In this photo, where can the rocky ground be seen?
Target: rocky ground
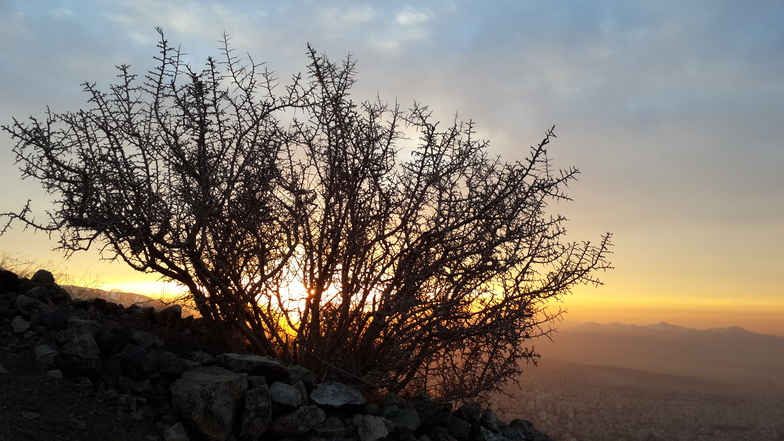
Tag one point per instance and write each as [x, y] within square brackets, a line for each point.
[89, 370]
[39, 404]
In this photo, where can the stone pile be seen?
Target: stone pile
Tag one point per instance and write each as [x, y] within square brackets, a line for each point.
[217, 398]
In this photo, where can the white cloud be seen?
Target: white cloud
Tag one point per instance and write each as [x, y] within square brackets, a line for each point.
[412, 17]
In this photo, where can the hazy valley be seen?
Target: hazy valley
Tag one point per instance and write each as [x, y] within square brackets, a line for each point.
[656, 382]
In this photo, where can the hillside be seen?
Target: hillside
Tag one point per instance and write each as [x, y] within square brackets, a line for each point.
[731, 355]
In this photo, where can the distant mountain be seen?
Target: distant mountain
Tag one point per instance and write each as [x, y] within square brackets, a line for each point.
[122, 298]
[661, 327]
[732, 354]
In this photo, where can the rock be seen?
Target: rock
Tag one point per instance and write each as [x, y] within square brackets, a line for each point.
[5, 307]
[49, 293]
[527, 429]
[332, 427]
[9, 282]
[169, 316]
[134, 387]
[111, 338]
[80, 356]
[209, 399]
[513, 434]
[143, 337]
[110, 395]
[43, 277]
[175, 432]
[253, 365]
[490, 421]
[300, 421]
[28, 306]
[55, 373]
[458, 427]
[172, 364]
[58, 319]
[390, 399]
[439, 433]
[470, 412]
[303, 391]
[3, 370]
[78, 325]
[296, 373]
[485, 434]
[257, 416]
[45, 355]
[203, 358]
[285, 394]
[141, 361]
[431, 412]
[20, 325]
[336, 394]
[402, 418]
[372, 428]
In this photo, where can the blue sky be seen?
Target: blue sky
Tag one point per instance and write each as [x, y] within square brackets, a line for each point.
[673, 111]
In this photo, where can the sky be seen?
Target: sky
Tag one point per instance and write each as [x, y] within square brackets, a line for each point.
[672, 110]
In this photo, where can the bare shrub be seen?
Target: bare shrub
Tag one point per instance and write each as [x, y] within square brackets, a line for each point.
[422, 267]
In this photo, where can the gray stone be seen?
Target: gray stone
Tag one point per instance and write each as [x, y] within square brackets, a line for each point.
[332, 427]
[336, 394]
[111, 338]
[77, 325]
[285, 394]
[135, 387]
[303, 391]
[141, 361]
[57, 319]
[470, 412]
[175, 433]
[431, 412]
[257, 416]
[485, 434]
[55, 373]
[45, 355]
[402, 418]
[295, 373]
[203, 358]
[513, 434]
[490, 421]
[20, 325]
[300, 421]
[209, 399]
[372, 428]
[49, 293]
[28, 306]
[43, 277]
[3, 370]
[80, 356]
[527, 429]
[110, 395]
[390, 399]
[144, 337]
[169, 316]
[172, 364]
[457, 427]
[439, 433]
[253, 365]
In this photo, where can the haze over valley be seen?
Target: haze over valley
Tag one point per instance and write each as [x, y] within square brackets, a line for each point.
[655, 382]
